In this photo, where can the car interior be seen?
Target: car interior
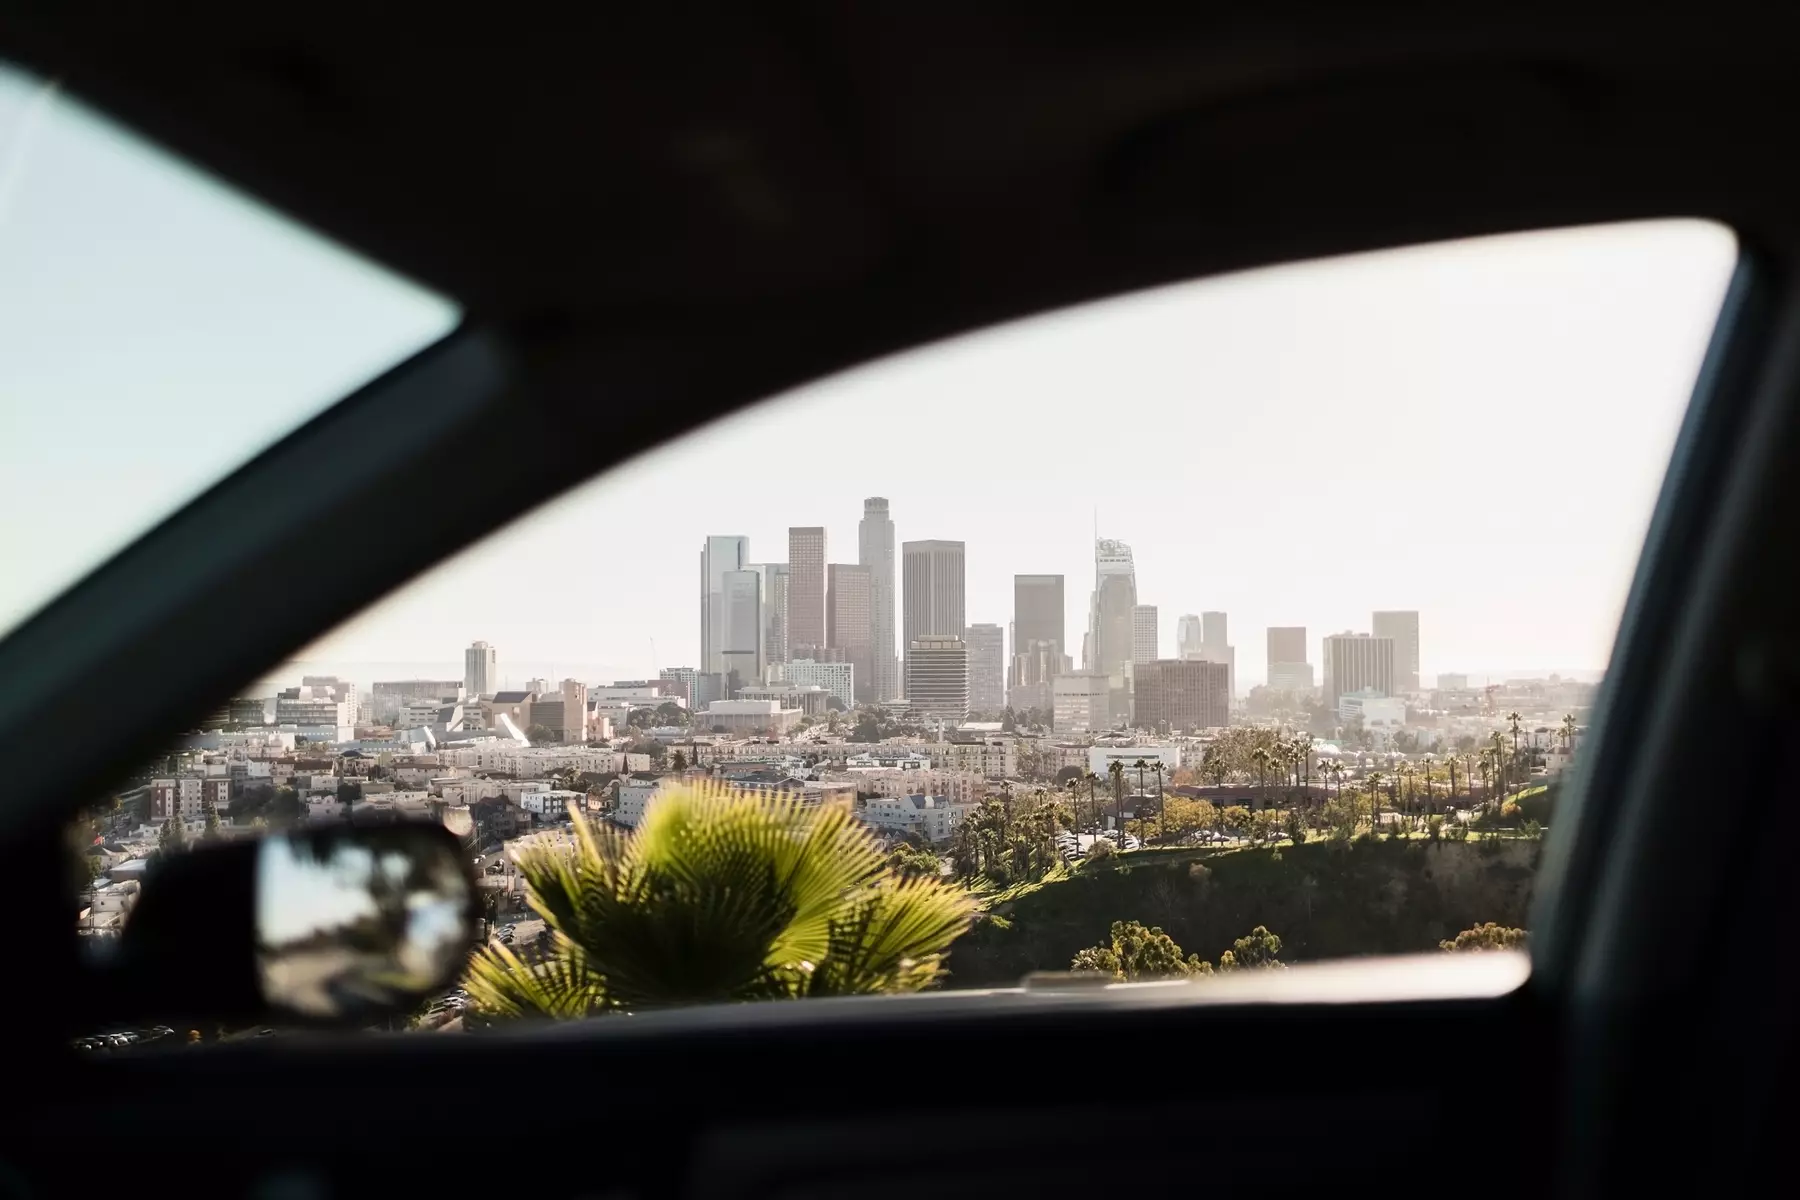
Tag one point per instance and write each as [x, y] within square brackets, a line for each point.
[653, 218]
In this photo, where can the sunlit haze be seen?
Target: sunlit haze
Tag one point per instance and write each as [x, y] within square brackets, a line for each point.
[1474, 430]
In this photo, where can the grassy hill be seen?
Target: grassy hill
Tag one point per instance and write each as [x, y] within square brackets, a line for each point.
[1325, 899]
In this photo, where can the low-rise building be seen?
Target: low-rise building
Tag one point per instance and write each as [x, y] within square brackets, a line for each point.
[934, 818]
[748, 716]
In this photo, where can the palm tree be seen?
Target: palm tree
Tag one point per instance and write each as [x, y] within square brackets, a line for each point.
[1501, 768]
[1374, 782]
[1513, 720]
[1262, 760]
[1161, 801]
[1568, 732]
[1142, 766]
[720, 895]
[1116, 770]
[1093, 782]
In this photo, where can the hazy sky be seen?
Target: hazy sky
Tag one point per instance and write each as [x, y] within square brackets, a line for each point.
[1475, 430]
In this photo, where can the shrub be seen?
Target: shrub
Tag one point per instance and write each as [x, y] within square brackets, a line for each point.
[1483, 938]
[1138, 953]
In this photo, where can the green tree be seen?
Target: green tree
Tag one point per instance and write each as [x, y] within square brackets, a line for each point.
[1485, 937]
[212, 822]
[171, 838]
[720, 896]
[678, 762]
[1256, 951]
[538, 734]
[909, 861]
[1135, 953]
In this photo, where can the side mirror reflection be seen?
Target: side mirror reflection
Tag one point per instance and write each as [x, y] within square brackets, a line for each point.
[355, 923]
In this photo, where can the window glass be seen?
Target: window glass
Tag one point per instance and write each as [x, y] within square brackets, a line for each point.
[1236, 624]
[157, 329]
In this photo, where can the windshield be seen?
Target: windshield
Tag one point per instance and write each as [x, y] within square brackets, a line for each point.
[1238, 624]
[157, 329]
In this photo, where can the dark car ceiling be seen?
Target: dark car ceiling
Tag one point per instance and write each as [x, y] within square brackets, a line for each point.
[883, 174]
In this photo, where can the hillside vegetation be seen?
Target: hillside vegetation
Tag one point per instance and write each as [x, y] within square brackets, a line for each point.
[1326, 899]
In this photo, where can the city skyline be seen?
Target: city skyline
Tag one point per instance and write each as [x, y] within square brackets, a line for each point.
[1377, 367]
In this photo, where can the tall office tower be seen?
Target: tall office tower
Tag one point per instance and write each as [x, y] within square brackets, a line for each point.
[938, 677]
[1287, 644]
[806, 591]
[1109, 612]
[1288, 668]
[1403, 627]
[775, 607]
[741, 627]
[1190, 638]
[718, 555]
[850, 622]
[1215, 646]
[1037, 630]
[931, 595]
[481, 670]
[875, 550]
[1356, 662]
[1035, 666]
[1175, 695]
[987, 668]
[1143, 633]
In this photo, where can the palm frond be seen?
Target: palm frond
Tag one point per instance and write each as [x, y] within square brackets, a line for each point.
[560, 985]
[722, 895]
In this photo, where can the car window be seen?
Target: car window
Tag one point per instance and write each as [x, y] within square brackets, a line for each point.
[157, 329]
[1236, 624]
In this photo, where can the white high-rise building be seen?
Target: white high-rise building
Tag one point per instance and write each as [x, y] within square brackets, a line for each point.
[1110, 608]
[719, 555]
[1403, 628]
[938, 678]
[875, 550]
[1081, 702]
[987, 668]
[1190, 637]
[481, 670]
[1143, 633]
[838, 678]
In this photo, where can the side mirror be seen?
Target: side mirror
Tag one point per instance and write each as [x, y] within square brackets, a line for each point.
[335, 926]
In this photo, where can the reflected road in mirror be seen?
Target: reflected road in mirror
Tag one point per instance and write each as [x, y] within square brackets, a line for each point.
[359, 923]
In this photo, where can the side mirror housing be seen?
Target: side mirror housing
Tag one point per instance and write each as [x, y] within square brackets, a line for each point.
[334, 927]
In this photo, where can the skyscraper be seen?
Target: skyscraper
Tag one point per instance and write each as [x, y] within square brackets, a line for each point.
[1109, 612]
[481, 670]
[1038, 631]
[1356, 662]
[938, 677]
[806, 591]
[875, 550]
[987, 668]
[1215, 646]
[1212, 629]
[932, 601]
[1287, 644]
[1403, 627]
[849, 623]
[1288, 668]
[775, 607]
[1143, 633]
[719, 554]
[1190, 637]
[741, 627]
